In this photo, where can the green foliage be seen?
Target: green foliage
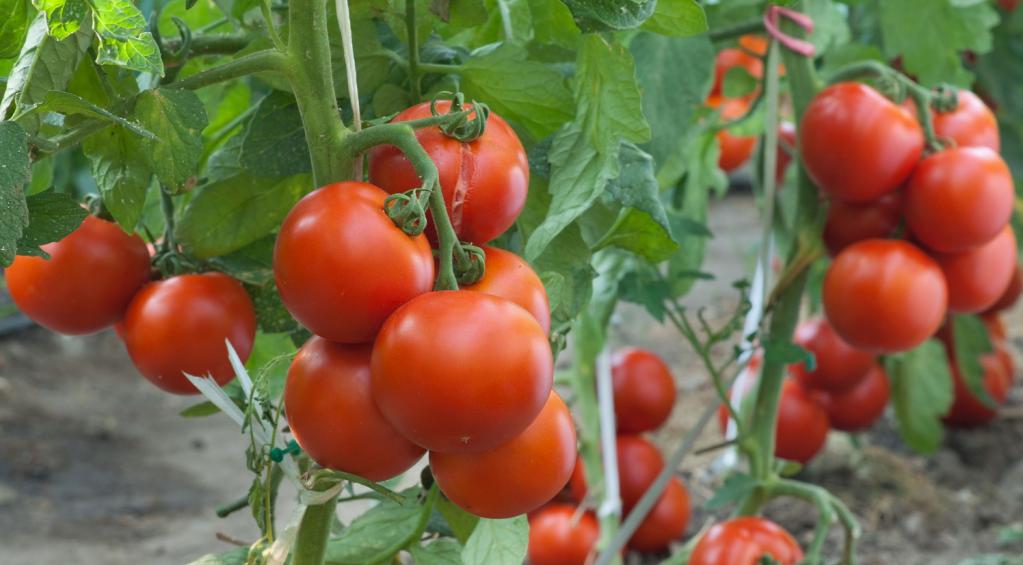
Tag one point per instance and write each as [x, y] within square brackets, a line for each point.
[461, 522]
[921, 394]
[497, 542]
[52, 216]
[124, 39]
[13, 177]
[601, 15]
[442, 551]
[377, 534]
[735, 487]
[14, 19]
[971, 341]
[64, 17]
[177, 117]
[274, 144]
[121, 171]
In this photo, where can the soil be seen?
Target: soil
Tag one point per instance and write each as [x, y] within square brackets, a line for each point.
[97, 467]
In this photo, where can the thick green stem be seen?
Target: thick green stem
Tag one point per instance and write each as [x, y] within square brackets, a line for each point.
[258, 62]
[314, 529]
[825, 513]
[413, 49]
[211, 44]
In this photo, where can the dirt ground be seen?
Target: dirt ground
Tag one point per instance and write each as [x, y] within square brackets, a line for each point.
[96, 466]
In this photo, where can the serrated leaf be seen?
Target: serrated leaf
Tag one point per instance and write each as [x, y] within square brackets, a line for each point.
[124, 37]
[497, 542]
[553, 23]
[14, 174]
[647, 288]
[274, 143]
[461, 522]
[604, 15]
[177, 117]
[921, 394]
[678, 18]
[51, 217]
[121, 172]
[638, 232]
[734, 489]
[971, 341]
[374, 535]
[443, 551]
[14, 20]
[70, 104]
[64, 17]
[636, 186]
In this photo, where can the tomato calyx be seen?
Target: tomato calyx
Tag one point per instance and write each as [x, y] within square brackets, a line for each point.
[466, 124]
[408, 209]
[470, 265]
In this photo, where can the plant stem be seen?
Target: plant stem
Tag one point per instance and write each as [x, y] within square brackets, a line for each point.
[314, 529]
[232, 507]
[752, 26]
[413, 50]
[258, 62]
[167, 206]
[438, 68]
[212, 44]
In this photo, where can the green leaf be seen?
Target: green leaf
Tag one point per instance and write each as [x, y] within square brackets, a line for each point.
[497, 542]
[604, 15]
[201, 410]
[375, 535]
[738, 83]
[969, 335]
[274, 144]
[177, 117]
[124, 37]
[232, 213]
[443, 551]
[269, 361]
[552, 23]
[271, 315]
[785, 352]
[921, 394]
[734, 489]
[237, 556]
[830, 25]
[638, 232]
[647, 288]
[636, 185]
[51, 217]
[118, 164]
[678, 18]
[13, 25]
[14, 174]
[70, 104]
[526, 92]
[461, 522]
[42, 175]
[252, 264]
[63, 16]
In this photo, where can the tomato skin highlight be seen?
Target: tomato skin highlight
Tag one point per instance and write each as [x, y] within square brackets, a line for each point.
[484, 182]
[839, 366]
[644, 390]
[554, 540]
[743, 541]
[969, 411]
[334, 282]
[802, 428]
[1012, 292]
[971, 124]
[461, 371]
[848, 223]
[959, 199]
[856, 145]
[163, 343]
[979, 277]
[665, 522]
[859, 407]
[86, 284]
[331, 413]
[884, 296]
[509, 276]
[517, 476]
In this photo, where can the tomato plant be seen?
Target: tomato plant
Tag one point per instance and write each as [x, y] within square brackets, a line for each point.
[644, 390]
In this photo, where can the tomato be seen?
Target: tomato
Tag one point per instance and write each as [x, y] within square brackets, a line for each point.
[838, 365]
[577, 482]
[644, 390]
[639, 463]
[743, 541]
[342, 266]
[1008, 5]
[849, 222]
[787, 141]
[802, 427]
[516, 476]
[857, 145]
[859, 407]
[995, 326]
[1006, 360]
[179, 325]
[509, 276]
[484, 182]
[884, 296]
[734, 57]
[665, 522]
[971, 124]
[1011, 294]
[556, 537]
[967, 410]
[959, 199]
[461, 371]
[332, 415]
[978, 277]
[86, 283]
[735, 150]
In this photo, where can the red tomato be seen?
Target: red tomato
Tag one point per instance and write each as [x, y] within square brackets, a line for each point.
[884, 296]
[484, 182]
[856, 144]
[734, 57]
[644, 391]
[971, 124]
[1005, 358]
[959, 199]
[859, 407]
[1011, 294]
[665, 522]
[577, 483]
[179, 325]
[639, 463]
[342, 266]
[995, 326]
[978, 277]
[848, 223]
[735, 150]
[516, 476]
[743, 541]
[839, 366]
[461, 371]
[967, 410]
[1008, 5]
[332, 415]
[556, 537]
[509, 276]
[787, 141]
[86, 283]
[802, 428]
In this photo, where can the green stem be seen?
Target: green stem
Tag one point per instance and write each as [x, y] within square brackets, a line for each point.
[825, 512]
[376, 487]
[314, 529]
[721, 34]
[232, 507]
[167, 206]
[413, 50]
[258, 62]
[213, 44]
[439, 68]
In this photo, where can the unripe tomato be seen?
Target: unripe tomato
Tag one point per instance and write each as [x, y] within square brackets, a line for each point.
[461, 371]
[788, 140]
[979, 277]
[342, 266]
[509, 276]
[333, 417]
[1011, 294]
[884, 296]
[802, 428]
[665, 522]
[839, 366]
[849, 222]
[967, 410]
[859, 407]
[639, 463]
[959, 199]
[86, 283]
[856, 144]
[516, 476]
[484, 182]
[644, 391]
[971, 124]
[743, 541]
[556, 538]
[179, 325]
[735, 149]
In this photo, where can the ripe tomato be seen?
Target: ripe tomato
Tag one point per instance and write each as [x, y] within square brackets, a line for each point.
[665, 522]
[577, 482]
[787, 141]
[342, 266]
[461, 371]
[856, 144]
[86, 283]
[1008, 5]
[1011, 294]
[644, 391]
[735, 150]
[743, 541]
[557, 538]
[978, 277]
[484, 182]
[734, 57]
[995, 326]
[884, 295]
[839, 366]
[967, 410]
[859, 407]
[848, 222]
[639, 463]
[516, 476]
[958, 199]
[971, 124]
[802, 427]
[180, 325]
[332, 415]
[509, 276]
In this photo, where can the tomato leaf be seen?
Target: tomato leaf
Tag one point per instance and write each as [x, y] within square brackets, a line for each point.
[177, 117]
[734, 489]
[375, 535]
[70, 104]
[252, 264]
[269, 361]
[42, 176]
[14, 174]
[63, 17]
[971, 341]
[738, 83]
[200, 410]
[830, 26]
[274, 144]
[124, 37]
[51, 216]
[497, 542]
[442, 551]
[785, 352]
[121, 172]
[553, 23]
[462, 523]
[921, 394]
[678, 18]
[13, 25]
[600, 15]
